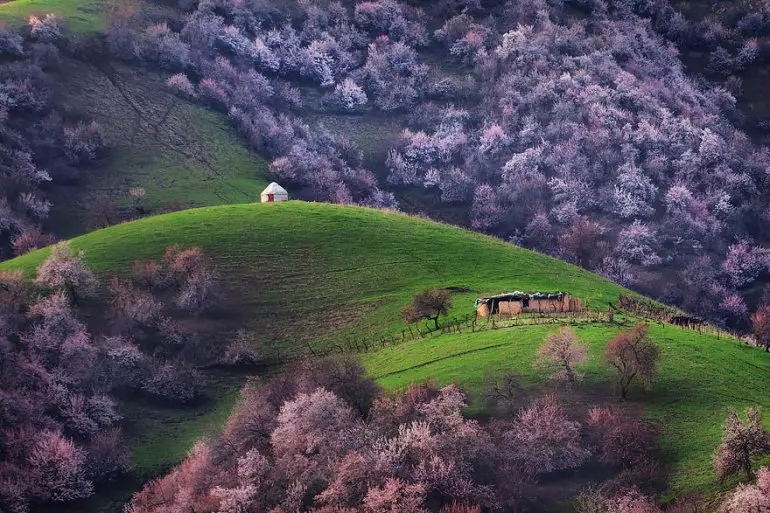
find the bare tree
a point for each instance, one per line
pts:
(430, 304)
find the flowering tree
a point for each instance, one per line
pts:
(542, 439)
(30, 240)
(631, 354)
(181, 85)
(48, 29)
(562, 353)
(348, 96)
(760, 323)
(742, 442)
(172, 383)
(395, 496)
(182, 489)
(743, 264)
(133, 307)
(246, 349)
(750, 498)
(66, 271)
(621, 439)
(312, 424)
(637, 243)
(58, 469)
(582, 240)
(628, 501)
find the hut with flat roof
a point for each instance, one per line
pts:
(515, 303)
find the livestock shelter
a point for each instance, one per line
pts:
(515, 303)
(274, 192)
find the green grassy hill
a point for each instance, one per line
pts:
(82, 16)
(305, 273)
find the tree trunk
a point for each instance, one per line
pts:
(624, 384)
(747, 465)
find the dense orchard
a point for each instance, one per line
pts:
(59, 422)
(39, 146)
(322, 438)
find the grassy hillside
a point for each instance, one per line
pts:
(300, 273)
(292, 266)
(700, 377)
(82, 16)
(181, 154)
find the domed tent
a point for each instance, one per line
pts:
(274, 192)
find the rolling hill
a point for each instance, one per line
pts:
(304, 274)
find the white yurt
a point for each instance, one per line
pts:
(274, 192)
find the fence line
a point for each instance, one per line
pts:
(472, 324)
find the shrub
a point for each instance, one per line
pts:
(182, 86)
(83, 142)
(49, 29)
(246, 349)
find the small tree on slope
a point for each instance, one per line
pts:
(760, 323)
(561, 353)
(632, 353)
(742, 441)
(430, 304)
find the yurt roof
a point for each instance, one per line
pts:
(274, 188)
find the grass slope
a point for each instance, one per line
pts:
(82, 16)
(292, 266)
(181, 154)
(700, 377)
(300, 273)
